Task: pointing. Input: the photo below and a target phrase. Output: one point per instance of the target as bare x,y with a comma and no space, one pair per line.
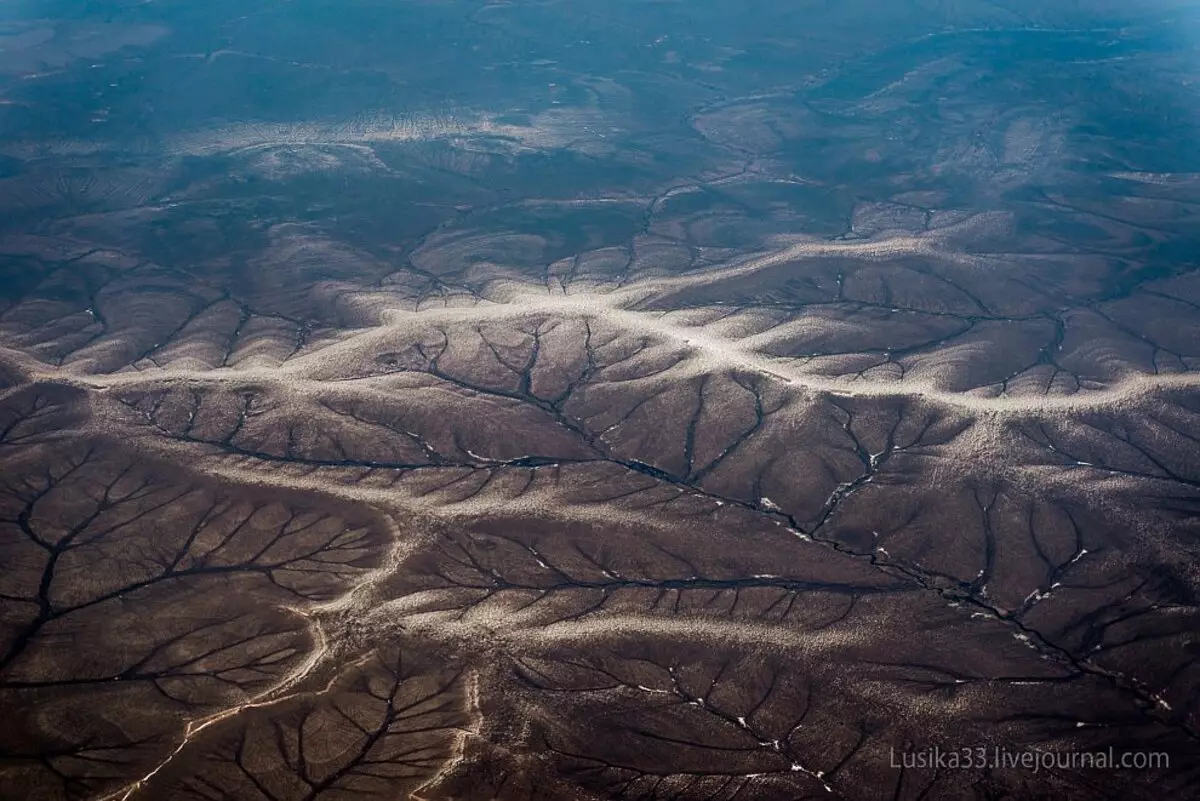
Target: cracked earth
724,484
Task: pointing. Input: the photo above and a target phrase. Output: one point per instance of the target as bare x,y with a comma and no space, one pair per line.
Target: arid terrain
522,402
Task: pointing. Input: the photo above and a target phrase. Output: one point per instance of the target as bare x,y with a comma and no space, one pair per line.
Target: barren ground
583,453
